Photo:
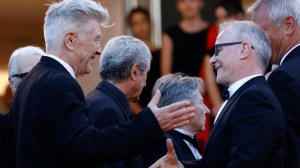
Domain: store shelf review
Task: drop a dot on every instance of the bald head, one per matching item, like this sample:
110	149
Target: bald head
22	61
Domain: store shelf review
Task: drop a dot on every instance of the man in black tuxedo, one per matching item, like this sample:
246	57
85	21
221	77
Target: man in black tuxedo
52	125
249	127
175	88
124	65
280	19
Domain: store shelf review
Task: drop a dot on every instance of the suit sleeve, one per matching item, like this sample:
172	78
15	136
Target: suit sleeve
254	130
80	142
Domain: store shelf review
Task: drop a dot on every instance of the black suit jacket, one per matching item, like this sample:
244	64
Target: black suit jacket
249	132
109	107
182	150
7	159
285	83
53	128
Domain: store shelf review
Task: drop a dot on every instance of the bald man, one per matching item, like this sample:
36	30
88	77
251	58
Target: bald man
20	63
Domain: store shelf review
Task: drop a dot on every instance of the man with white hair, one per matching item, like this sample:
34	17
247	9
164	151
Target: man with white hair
20	63
280	19
249	127
52	125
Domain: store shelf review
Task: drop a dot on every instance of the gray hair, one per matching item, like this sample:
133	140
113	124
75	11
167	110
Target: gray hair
279	10
177	87
249	31
13	67
68	15
120	54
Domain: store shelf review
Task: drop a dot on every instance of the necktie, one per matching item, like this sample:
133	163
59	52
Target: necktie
225	94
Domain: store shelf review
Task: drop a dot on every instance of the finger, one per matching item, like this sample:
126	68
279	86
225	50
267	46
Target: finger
155	99
179	118
170	147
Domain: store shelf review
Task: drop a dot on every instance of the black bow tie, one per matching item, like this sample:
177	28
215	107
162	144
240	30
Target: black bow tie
193	140
225	94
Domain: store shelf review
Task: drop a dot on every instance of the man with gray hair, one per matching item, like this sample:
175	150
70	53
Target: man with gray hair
280	19
20	63
174	88
249	127
124	65
52	125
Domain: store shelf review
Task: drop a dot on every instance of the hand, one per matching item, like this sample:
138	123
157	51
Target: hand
170	160
171	116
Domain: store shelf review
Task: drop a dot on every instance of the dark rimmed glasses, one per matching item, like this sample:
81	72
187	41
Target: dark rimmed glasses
22	75
217	50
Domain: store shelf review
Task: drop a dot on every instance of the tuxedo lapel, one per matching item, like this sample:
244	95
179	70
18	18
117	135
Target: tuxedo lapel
228	107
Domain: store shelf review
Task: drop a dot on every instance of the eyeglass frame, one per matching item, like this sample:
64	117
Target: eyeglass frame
22	75
226	44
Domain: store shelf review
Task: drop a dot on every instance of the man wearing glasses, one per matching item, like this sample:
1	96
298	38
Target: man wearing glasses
20	63
249	128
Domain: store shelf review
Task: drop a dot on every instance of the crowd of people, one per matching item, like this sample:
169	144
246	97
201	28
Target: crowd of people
158	107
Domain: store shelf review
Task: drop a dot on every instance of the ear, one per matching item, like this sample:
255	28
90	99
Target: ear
69	40
134	71
290	24
245	50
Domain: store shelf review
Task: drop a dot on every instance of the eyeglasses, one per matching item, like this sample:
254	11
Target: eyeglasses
22	75
217	50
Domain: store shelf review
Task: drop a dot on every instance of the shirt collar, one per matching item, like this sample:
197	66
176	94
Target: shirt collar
184	132
235	86
63	63
286	54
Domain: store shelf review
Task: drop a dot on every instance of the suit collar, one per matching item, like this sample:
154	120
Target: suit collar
226	110
118	96
294	51
52	62
64	64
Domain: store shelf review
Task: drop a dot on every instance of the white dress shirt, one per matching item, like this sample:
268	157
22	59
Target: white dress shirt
288	53
191	146
64	64
233	88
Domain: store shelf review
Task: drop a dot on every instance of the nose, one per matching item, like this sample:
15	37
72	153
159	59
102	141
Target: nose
206	109
212	61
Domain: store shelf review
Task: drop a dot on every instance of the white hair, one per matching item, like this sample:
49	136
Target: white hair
279	10
13	67
249	31
68	15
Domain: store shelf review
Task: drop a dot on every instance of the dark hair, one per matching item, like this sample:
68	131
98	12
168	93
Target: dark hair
138	10
232	7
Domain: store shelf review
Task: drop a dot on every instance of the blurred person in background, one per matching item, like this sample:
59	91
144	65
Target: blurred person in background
140	25
184	47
